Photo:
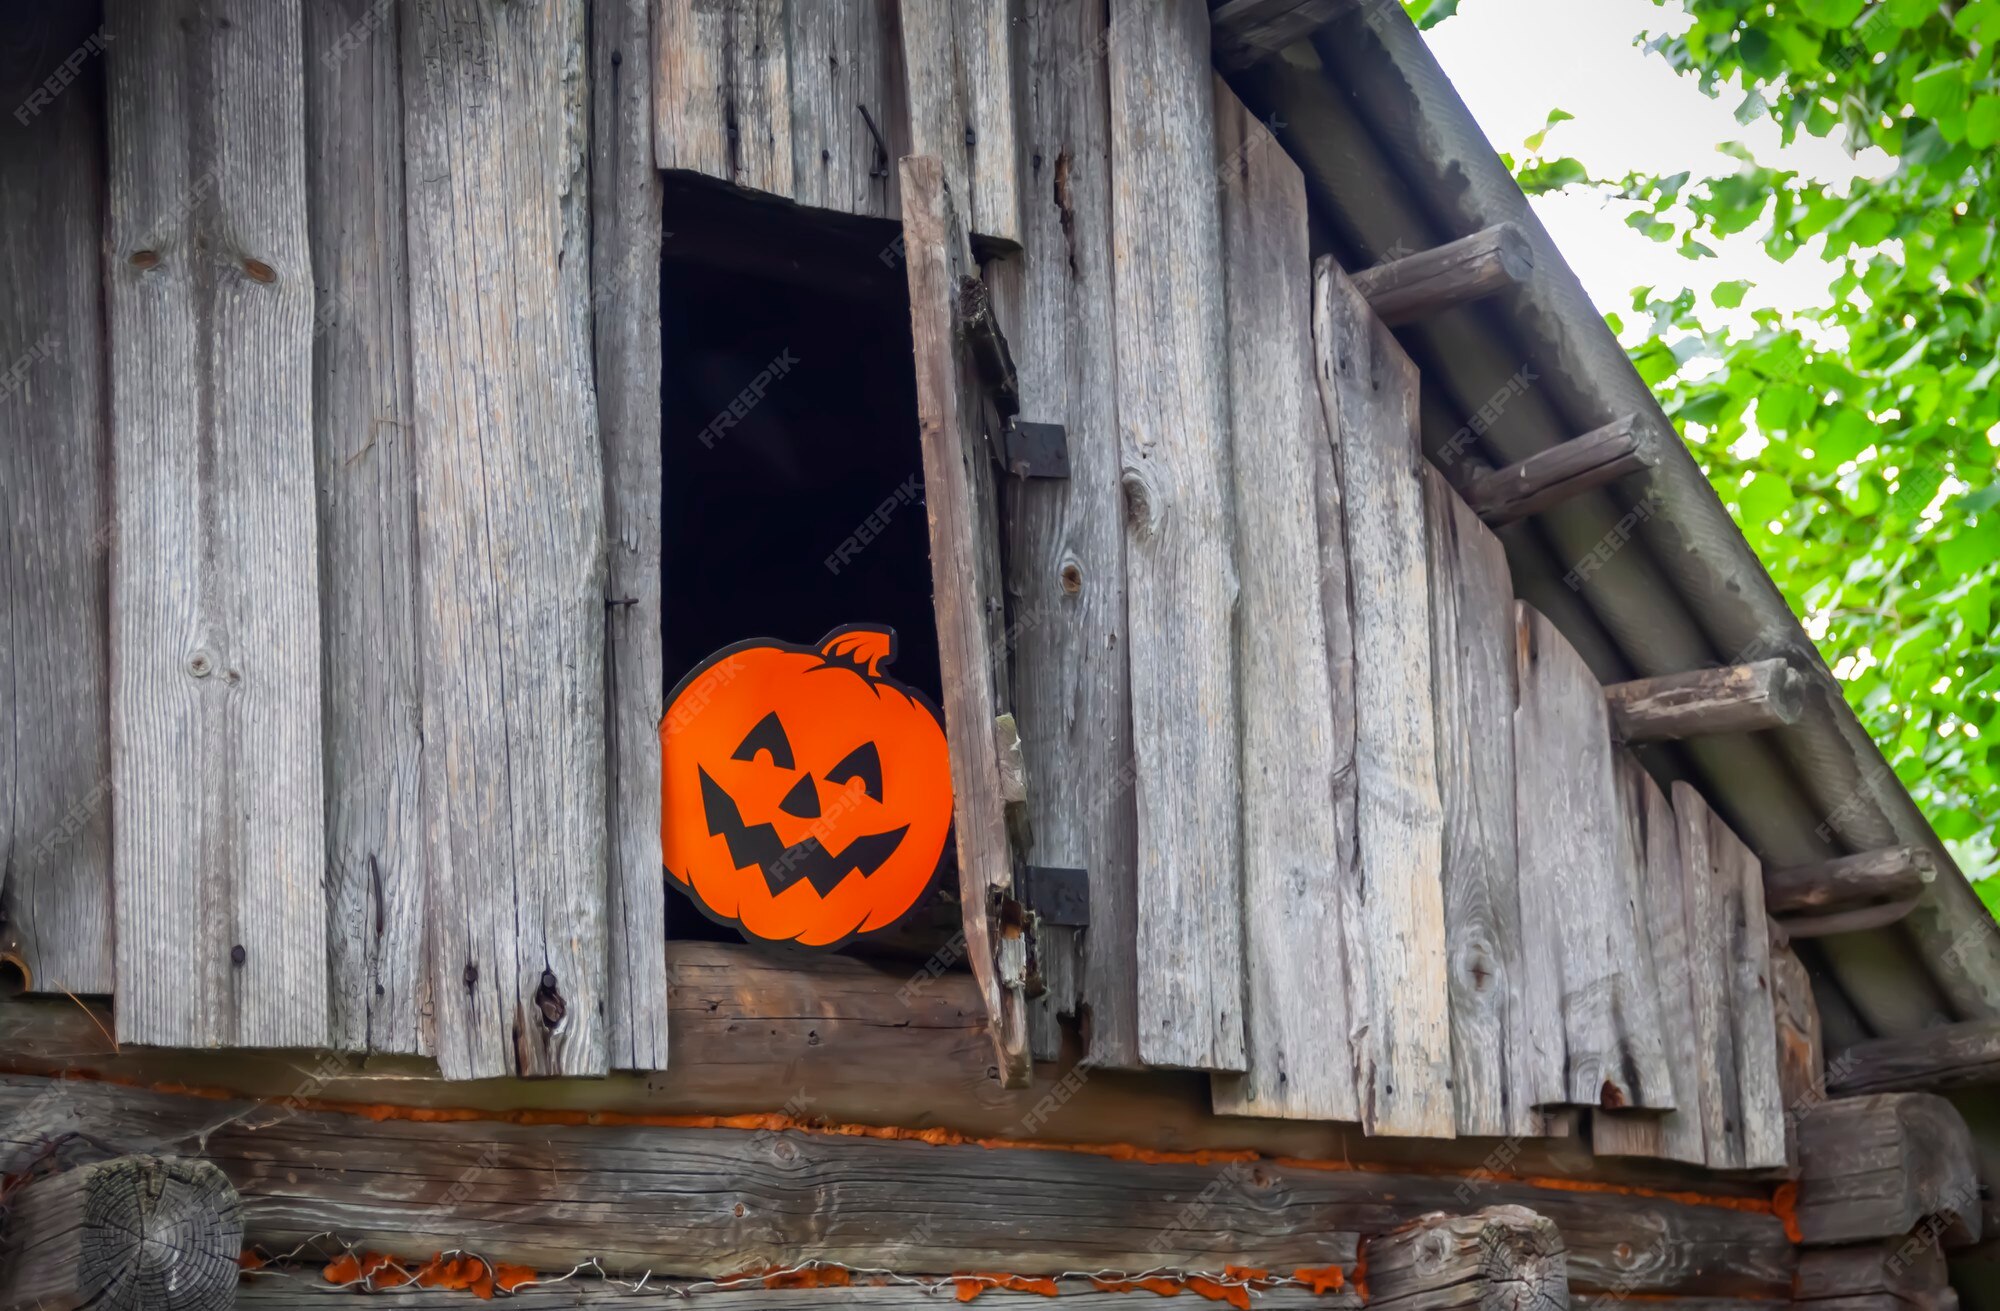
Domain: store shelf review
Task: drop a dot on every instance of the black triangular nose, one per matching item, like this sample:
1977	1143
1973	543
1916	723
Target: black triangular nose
802	800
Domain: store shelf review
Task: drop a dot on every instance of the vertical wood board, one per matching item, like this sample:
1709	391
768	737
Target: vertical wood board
1801	1049
722	97
1302	909
511	537
626	236
367	490
846	68
958	58
1173	420
1472	672
218	813
55	525
1369	389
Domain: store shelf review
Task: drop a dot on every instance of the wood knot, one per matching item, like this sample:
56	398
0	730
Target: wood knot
237	955
1142	510
1072	578
549	1001
258	271
471	976
145	259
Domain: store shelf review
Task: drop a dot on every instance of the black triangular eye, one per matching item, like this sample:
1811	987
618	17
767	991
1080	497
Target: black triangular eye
864	763
768	735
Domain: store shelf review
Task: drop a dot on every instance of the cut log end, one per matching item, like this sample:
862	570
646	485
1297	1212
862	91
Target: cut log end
1747	698
1504	1258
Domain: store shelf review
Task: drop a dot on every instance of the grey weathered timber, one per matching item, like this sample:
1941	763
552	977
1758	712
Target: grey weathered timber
1303	951
511	537
1652	852
1066	544
1859	919
1950	1056
55	529
1249	30
1908	1270
958	62
664	1197
1560	473
845	69
1742	1106
1504	1258
264	1293
1733	699
1801	1049
1180	571
1368	389
1415	287
1876	1166
367	483
1472	672
625	232
218	818
1577	893
1863	879
722	103
966	585
135	1233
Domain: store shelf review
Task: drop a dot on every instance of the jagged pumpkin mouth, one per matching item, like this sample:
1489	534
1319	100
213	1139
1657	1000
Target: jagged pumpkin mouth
759	846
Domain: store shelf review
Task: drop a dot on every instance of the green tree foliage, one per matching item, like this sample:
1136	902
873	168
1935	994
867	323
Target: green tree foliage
1855	443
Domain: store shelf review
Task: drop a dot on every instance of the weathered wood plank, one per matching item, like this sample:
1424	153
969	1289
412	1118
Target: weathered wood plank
1368	390
511	537
55	502
1247	31
1652	850
218	819
958	59
1801	1050
625	230
1303	949
1733	699
1951	1056
1876	1166
664	1197
1066	547
135	1233
1472	669
1560	473
1866	878
367	484
1742	1106
1906	1269
1445	277
966	586
1504	1258
846	70
1173	419
722	103
1576	882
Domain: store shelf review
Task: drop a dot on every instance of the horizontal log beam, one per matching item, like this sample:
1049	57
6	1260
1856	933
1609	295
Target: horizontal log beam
1243	32
695	1200
1445	277
1562	472
1942	1059
1877	1167
1858	920
278	1293
1867	878
1911	1269
1504	1258
1734	699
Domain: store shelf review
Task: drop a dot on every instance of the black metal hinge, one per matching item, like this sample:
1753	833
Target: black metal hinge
1055	895
1036	450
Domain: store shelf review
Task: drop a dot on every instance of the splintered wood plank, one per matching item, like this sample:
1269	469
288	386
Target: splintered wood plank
1368	388
846	69
1801	1050
1066	546
1302	910
55	529
1472	670
1173	420
1576	880
218	818
959	61
1652	842
511	536
722	102
1742	1107
966	585
367	485
625	198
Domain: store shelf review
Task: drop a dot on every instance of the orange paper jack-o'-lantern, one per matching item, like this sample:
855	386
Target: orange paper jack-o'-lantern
805	795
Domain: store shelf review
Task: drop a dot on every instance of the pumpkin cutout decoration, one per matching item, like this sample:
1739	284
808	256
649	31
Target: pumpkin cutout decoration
805	794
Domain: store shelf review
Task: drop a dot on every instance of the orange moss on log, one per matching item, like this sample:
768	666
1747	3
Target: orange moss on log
1321	1279
1785	1205
972	1285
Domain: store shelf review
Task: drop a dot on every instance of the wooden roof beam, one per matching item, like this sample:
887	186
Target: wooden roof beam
1548	478
1891	874
1704	702
1244	32
1950	1056
1428	283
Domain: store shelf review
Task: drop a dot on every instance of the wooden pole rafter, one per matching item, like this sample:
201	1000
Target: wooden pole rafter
1706	702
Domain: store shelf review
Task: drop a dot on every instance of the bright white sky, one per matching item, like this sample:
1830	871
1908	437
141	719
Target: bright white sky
1515	60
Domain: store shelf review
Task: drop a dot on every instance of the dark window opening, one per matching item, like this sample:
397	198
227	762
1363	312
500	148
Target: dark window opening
793	482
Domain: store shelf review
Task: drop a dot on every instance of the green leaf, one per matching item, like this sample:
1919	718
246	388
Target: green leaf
1982	123
1729	295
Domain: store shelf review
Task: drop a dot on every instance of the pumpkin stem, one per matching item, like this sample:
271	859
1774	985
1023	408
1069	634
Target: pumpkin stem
864	645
